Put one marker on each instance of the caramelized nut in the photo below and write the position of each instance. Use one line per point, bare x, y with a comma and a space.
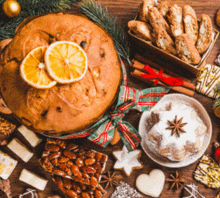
97, 165
63, 159
59, 172
98, 156
45, 153
79, 162
89, 161
86, 176
69, 154
88, 169
69, 164
54, 155
76, 172
59, 182
94, 181
52, 147
82, 150
67, 183
71, 193
68, 172
63, 145
85, 195
72, 146
76, 188
103, 159
62, 167
98, 194
90, 154
83, 186
55, 162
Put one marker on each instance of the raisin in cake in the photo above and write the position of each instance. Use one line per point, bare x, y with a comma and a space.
63, 108
168, 143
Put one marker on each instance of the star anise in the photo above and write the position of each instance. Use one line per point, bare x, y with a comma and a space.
176, 180
177, 126
110, 179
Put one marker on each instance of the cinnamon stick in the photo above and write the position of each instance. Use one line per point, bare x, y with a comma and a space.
137, 73
155, 65
138, 65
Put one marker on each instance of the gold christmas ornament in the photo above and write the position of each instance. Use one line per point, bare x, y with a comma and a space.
11, 8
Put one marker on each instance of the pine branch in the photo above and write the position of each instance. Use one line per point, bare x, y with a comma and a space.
95, 12
29, 8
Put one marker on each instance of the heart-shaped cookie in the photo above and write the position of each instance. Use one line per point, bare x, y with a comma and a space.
151, 184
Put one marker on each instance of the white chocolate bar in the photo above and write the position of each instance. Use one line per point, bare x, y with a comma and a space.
7, 165
20, 150
33, 179
29, 135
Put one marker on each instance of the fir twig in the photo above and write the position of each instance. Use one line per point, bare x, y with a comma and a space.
29, 8
95, 12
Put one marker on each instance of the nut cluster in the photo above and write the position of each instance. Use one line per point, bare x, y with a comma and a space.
72, 161
76, 189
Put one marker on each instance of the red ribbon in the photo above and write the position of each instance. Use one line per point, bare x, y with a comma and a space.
168, 80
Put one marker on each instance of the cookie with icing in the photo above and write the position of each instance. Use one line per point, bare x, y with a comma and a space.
127, 161
191, 191
209, 77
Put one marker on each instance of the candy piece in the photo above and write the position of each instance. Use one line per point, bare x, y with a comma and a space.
125, 191
72, 161
152, 184
33, 179
208, 172
209, 77
77, 189
29, 135
6, 128
191, 191
30, 193
20, 150
6, 188
7, 165
127, 161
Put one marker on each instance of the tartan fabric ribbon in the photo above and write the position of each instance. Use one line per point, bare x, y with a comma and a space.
103, 130
129, 99
168, 80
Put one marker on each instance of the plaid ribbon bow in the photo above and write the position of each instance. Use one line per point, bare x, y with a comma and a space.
102, 131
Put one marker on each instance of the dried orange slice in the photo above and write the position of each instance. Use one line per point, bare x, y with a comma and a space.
66, 61
33, 69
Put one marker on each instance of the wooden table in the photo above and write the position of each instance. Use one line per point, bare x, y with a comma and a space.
126, 10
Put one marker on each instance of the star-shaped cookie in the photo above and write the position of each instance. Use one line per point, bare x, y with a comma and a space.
127, 161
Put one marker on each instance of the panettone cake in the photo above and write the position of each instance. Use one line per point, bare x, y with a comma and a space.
63, 108
176, 131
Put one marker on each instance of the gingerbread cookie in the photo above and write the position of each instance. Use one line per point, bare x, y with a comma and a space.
127, 161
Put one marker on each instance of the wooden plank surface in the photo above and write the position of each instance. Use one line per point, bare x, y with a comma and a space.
126, 10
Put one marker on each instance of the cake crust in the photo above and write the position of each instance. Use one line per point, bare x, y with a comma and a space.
63, 108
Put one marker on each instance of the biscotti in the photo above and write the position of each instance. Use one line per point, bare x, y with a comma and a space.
164, 41
175, 20
140, 28
163, 8
186, 50
205, 34
145, 7
190, 22
157, 20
